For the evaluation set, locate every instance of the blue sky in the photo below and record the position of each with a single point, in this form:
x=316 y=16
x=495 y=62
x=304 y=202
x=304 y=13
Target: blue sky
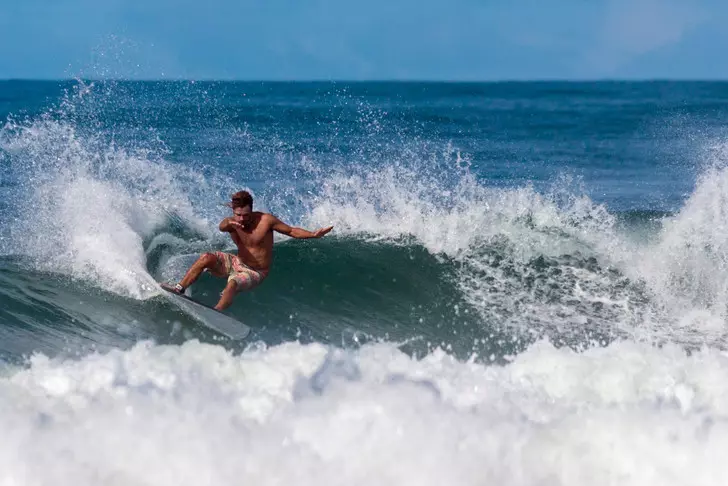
x=372 y=39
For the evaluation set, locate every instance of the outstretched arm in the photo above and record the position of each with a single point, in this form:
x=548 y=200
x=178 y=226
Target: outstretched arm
x=295 y=232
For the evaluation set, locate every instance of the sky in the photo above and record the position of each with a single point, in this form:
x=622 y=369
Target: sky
x=467 y=40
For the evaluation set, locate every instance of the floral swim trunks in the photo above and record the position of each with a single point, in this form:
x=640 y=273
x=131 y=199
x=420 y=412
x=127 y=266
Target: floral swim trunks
x=230 y=266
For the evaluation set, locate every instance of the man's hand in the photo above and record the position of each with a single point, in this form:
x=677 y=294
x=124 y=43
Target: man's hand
x=321 y=232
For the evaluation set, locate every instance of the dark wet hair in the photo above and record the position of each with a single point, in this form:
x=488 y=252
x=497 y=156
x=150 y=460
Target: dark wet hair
x=241 y=199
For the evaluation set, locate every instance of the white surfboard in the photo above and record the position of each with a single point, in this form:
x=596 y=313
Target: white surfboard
x=210 y=317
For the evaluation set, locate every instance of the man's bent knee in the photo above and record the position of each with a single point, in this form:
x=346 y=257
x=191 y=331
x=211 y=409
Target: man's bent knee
x=208 y=259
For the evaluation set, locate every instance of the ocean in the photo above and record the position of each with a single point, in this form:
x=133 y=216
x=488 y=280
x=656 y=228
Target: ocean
x=526 y=284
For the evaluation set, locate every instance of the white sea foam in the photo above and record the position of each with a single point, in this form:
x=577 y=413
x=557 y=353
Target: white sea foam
x=521 y=257
x=557 y=260
x=687 y=268
x=195 y=414
x=396 y=201
x=86 y=206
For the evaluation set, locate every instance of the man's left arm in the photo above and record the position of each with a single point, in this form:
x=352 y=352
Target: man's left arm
x=295 y=232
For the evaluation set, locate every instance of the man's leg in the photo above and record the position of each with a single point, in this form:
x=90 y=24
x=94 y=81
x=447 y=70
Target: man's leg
x=227 y=295
x=206 y=260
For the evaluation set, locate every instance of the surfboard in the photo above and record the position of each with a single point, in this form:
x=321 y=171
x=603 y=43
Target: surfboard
x=210 y=317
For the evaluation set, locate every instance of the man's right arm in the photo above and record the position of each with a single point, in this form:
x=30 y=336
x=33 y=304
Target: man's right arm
x=225 y=226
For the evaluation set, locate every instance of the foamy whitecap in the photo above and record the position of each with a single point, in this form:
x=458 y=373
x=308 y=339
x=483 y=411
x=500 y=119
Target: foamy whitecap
x=531 y=262
x=555 y=261
x=627 y=414
x=396 y=201
x=687 y=267
x=86 y=206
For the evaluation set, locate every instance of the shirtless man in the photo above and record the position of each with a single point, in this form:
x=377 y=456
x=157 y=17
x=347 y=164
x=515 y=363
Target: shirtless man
x=252 y=233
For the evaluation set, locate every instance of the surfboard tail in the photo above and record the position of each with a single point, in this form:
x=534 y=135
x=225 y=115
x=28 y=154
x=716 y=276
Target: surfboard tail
x=210 y=317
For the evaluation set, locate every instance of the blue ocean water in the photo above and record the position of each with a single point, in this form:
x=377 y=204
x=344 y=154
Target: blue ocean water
x=541 y=264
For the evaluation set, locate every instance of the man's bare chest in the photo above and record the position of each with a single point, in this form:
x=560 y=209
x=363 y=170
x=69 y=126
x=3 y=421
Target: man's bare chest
x=253 y=239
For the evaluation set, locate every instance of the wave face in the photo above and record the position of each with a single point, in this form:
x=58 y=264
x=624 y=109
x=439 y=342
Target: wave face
x=525 y=298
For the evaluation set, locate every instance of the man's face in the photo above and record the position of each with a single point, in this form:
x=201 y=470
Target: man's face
x=242 y=215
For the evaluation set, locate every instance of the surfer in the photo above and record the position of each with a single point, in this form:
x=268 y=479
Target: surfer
x=252 y=232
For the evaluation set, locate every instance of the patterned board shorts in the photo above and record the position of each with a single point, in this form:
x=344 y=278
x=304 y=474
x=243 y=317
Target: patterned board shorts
x=230 y=266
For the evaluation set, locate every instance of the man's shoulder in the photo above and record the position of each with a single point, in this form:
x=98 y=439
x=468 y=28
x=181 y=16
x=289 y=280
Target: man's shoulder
x=267 y=218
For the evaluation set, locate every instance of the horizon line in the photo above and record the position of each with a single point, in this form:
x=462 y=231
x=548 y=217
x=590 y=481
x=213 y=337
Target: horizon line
x=373 y=80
